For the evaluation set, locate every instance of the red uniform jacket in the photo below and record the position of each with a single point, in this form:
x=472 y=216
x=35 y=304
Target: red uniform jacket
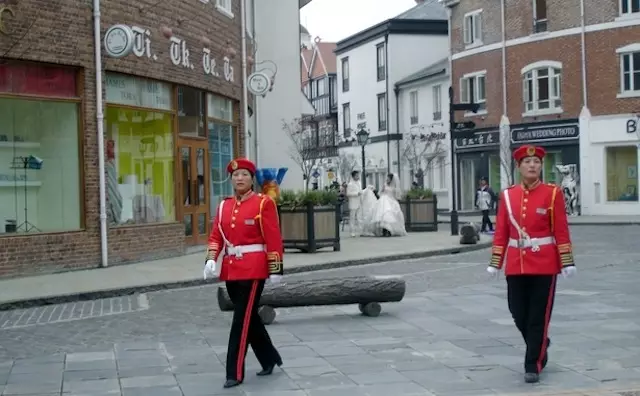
x=252 y=229
x=540 y=213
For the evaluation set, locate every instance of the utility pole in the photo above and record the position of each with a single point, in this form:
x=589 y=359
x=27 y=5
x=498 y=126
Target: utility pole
x=458 y=130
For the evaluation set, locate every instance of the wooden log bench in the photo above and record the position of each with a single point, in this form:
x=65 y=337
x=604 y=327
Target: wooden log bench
x=368 y=292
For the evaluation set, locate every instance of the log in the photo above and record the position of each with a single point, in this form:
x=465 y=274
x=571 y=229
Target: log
x=367 y=292
x=469 y=234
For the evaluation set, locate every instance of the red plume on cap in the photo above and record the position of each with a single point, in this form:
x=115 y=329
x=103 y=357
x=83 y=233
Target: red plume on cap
x=523 y=152
x=241 y=163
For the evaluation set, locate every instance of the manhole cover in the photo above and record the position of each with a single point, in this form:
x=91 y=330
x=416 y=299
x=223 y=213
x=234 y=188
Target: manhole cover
x=72 y=311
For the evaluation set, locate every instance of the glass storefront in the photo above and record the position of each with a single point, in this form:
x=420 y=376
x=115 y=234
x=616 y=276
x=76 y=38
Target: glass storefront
x=622 y=173
x=221 y=147
x=494 y=173
x=40 y=185
x=140 y=151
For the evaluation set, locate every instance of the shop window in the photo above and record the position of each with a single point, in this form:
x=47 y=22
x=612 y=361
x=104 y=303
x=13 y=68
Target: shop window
x=221 y=147
x=494 y=173
x=39 y=164
x=541 y=88
x=191 y=109
x=550 y=173
x=622 y=173
x=140 y=151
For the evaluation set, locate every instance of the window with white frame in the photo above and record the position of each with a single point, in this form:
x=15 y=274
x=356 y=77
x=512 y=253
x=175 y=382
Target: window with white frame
x=472 y=89
x=225 y=7
x=541 y=87
x=630 y=70
x=629 y=7
x=413 y=102
x=437 y=102
x=382 y=112
x=472 y=28
x=540 y=16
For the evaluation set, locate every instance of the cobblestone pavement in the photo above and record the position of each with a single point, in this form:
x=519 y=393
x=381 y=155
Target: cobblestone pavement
x=451 y=335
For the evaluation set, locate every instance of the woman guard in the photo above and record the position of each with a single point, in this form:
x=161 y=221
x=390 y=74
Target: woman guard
x=532 y=241
x=246 y=232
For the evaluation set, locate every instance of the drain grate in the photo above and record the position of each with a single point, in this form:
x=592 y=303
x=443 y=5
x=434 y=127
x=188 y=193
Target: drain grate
x=68 y=312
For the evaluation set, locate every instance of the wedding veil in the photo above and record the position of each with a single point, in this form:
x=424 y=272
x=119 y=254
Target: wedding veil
x=395 y=184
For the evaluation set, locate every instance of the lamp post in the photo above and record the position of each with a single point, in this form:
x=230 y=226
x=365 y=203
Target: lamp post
x=363 y=139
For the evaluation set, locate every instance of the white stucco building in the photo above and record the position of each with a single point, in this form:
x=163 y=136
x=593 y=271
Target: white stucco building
x=275 y=27
x=369 y=64
x=423 y=121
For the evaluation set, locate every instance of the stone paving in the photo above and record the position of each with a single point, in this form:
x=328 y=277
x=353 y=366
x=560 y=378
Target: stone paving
x=452 y=335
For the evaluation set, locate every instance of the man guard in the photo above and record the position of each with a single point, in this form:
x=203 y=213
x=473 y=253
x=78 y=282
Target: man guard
x=247 y=233
x=532 y=241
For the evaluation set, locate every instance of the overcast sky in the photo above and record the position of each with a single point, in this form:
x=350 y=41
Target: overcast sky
x=334 y=20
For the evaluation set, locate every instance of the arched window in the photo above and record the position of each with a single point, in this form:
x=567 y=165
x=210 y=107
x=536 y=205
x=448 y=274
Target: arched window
x=541 y=88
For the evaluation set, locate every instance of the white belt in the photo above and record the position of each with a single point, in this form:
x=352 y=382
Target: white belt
x=238 y=251
x=531 y=242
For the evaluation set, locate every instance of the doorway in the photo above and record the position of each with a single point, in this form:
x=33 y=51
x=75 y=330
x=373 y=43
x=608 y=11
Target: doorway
x=467 y=184
x=193 y=184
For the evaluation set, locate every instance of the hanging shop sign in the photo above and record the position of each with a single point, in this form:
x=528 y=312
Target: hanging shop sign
x=259 y=83
x=118 y=41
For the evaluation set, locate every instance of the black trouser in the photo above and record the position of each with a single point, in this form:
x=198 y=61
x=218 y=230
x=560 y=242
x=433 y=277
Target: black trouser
x=486 y=221
x=247 y=328
x=531 y=302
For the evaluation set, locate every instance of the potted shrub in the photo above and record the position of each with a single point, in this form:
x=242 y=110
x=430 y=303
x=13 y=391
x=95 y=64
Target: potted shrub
x=309 y=220
x=420 y=208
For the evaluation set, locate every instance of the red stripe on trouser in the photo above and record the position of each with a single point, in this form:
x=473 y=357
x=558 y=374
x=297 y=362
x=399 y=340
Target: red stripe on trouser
x=547 y=318
x=242 y=351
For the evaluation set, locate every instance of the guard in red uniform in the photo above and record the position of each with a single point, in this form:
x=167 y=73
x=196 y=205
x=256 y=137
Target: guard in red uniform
x=532 y=241
x=246 y=232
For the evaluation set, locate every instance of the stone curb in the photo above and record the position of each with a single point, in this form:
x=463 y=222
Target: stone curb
x=608 y=223
x=108 y=293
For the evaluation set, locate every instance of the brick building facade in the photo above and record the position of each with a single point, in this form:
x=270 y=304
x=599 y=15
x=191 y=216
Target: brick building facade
x=544 y=75
x=167 y=122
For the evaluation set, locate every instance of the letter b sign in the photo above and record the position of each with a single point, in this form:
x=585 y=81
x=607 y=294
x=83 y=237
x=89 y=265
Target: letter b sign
x=632 y=126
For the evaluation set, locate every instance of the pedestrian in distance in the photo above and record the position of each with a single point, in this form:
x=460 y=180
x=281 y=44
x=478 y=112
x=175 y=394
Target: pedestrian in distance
x=485 y=198
x=533 y=244
x=245 y=231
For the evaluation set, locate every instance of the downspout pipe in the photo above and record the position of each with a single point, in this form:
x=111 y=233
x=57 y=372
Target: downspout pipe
x=245 y=95
x=97 y=42
x=504 y=58
x=584 y=54
x=386 y=99
x=396 y=91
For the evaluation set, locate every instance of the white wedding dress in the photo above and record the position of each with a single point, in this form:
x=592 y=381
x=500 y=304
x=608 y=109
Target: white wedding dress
x=382 y=214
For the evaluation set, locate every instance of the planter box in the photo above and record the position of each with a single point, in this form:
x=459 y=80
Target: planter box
x=420 y=214
x=310 y=228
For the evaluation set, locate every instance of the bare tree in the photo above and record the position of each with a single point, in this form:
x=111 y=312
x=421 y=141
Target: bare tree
x=301 y=149
x=347 y=163
x=420 y=150
x=506 y=161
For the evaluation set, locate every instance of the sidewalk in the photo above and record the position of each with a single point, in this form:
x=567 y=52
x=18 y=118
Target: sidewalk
x=186 y=270
x=573 y=220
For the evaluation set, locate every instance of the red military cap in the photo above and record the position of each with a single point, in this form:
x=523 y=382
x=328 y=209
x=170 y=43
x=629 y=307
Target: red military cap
x=241 y=163
x=523 y=152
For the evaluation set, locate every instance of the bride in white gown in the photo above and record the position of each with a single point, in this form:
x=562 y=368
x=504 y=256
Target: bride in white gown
x=383 y=217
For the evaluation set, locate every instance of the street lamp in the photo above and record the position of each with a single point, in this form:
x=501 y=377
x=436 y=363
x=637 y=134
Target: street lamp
x=363 y=139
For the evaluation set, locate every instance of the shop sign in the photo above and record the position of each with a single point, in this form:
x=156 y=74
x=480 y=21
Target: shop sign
x=139 y=92
x=545 y=133
x=34 y=79
x=632 y=125
x=481 y=139
x=180 y=55
x=5 y=10
x=118 y=41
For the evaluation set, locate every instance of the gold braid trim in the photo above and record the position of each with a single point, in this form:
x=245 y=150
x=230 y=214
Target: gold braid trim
x=275 y=267
x=497 y=250
x=553 y=205
x=564 y=248
x=495 y=260
x=212 y=250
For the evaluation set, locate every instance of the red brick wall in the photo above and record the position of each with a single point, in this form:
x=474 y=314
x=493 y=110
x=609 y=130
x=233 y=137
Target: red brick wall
x=61 y=31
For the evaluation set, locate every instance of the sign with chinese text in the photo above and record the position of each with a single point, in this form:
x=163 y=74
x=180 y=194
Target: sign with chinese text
x=545 y=133
x=479 y=140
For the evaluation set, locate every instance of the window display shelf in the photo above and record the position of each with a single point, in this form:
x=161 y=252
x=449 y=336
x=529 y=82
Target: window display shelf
x=20 y=183
x=19 y=145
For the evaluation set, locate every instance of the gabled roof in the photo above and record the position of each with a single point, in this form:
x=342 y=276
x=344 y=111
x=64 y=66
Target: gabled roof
x=318 y=61
x=427 y=18
x=440 y=68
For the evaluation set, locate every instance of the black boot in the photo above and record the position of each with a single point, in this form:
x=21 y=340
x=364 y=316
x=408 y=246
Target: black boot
x=269 y=370
x=531 y=378
x=230 y=383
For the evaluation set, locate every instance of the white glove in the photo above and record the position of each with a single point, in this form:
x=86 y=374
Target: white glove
x=569 y=271
x=209 y=269
x=275 y=279
x=493 y=271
